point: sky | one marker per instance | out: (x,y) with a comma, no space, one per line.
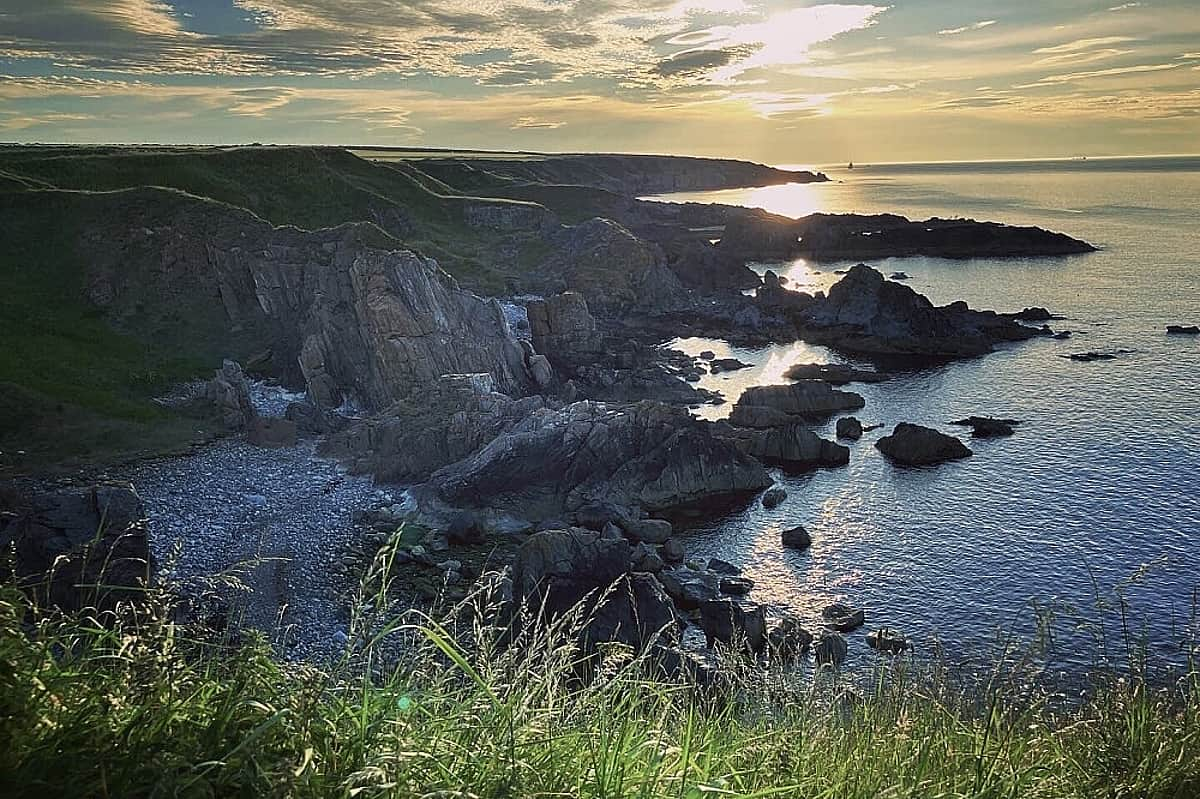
(780,82)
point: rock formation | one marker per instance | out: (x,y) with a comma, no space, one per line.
(914,445)
(776,406)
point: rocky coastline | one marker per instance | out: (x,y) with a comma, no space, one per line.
(551,431)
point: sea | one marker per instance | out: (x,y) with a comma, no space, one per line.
(1078,538)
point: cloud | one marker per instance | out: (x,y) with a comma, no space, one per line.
(1085,44)
(972,27)
(533,123)
(1099,73)
(1126,6)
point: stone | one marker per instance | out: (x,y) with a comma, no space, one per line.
(556,572)
(773,498)
(464,528)
(849,427)
(987,427)
(707,355)
(646,559)
(76,546)
(733,621)
(736,586)
(672,551)
(651,531)
(914,445)
(271,433)
(842,617)
(830,649)
(790,445)
(796,538)
(887,640)
(719,365)
(1183,330)
(866,314)
(834,374)
(772,406)
(689,588)
(647,456)
(722,567)
(787,639)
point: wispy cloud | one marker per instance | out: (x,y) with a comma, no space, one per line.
(987,23)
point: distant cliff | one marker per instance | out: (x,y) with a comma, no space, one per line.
(628,175)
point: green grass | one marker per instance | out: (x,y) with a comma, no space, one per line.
(143,707)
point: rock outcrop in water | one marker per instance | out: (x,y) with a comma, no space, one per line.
(866,314)
(776,406)
(914,445)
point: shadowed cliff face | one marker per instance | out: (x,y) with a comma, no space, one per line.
(352,317)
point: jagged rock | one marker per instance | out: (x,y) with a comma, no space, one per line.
(75,547)
(644,456)
(987,427)
(271,433)
(887,640)
(1183,330)
(898,276)
(834,374)
(457,416)
(540,370)
(849,427)
(775,406)
(866,314)
(792,446)
(647,559)
(914,445)
(773,498)
(228,392)
(688,589)
(308,418)
(562,326)
(598,515)
(1034,314)
(796,538)
(556,571)
(830,649)
(730,621)
(612,268)
(842,617)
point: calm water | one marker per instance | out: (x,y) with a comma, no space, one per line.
(1094,498)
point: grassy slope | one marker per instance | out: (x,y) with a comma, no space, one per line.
(72,388)
(94,712)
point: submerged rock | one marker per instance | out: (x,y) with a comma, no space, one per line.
(1183,330)
(788,639)
(988,427)
(915,445)
(719,365)
(773,498)
(830,649)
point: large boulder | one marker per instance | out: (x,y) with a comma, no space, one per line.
(562,326)
(793,446)
(865,313)
(74,547)
(560,571)
(455,417)
(849,427)
(644,456)
(733,621)
(777,406)
(689,588)
(914,445)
